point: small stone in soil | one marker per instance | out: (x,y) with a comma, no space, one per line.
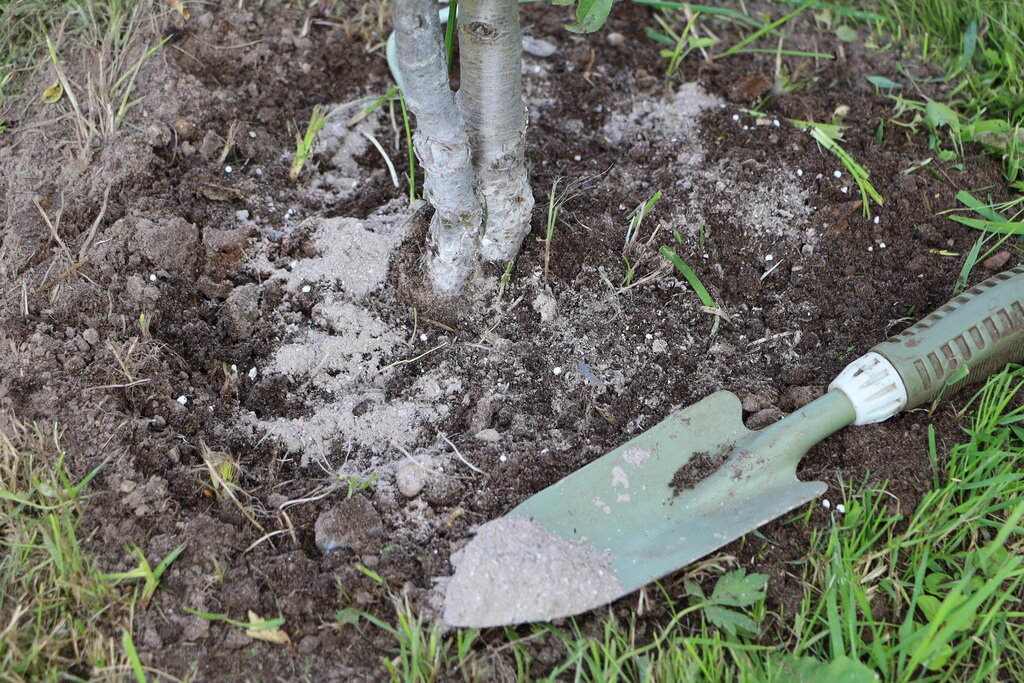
(489,435)
(538,47)
(997,261)
(411,478)
(515,571)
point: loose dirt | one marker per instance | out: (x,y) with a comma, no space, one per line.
(199,301)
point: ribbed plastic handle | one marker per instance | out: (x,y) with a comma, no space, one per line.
(982,330)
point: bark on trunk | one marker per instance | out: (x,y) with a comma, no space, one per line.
(442,145)
(490,45)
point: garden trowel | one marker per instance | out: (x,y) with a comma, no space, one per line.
(701,479)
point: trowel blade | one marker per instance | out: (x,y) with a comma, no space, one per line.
(622,512)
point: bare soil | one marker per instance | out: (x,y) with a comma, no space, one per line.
(287,324)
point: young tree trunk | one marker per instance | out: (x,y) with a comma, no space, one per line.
(491,98)
(442,145)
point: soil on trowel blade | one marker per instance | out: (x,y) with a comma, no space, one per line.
(515,571)
(700,466)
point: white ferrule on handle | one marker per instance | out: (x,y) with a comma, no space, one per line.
(873,386)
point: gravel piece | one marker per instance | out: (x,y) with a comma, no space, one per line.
(538,47)
(411,478)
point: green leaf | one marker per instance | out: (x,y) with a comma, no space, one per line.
(693,588)
(939,659)
(846,34)
(810,670)
(937,114)
(929,605)
(884,83)
(591,15)
(730,621)
(737,589)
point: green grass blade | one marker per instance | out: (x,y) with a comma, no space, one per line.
(1000,227)
(763,30)
(133,656)
(691,277)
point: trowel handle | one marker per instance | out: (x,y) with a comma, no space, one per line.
(972,336)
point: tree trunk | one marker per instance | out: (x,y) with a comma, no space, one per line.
(491,97)
(441,143)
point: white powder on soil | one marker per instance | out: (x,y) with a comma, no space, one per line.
(676,118)
(339,365)
(516,571)
(353,254)
(773,207)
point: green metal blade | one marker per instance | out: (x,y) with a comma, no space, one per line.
(623,502)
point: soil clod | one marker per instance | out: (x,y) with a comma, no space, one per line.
(352,523)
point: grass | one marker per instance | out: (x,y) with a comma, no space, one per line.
(980,43)
(149,575)
(995,227)
(60,619)
(686,41)
(556,201)
(635,252)
(931,594)
(686,271)
(304,143)
(107,41)
(24,26)
(829,139)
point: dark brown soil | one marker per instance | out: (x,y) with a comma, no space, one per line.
(700,467)
(528,387)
